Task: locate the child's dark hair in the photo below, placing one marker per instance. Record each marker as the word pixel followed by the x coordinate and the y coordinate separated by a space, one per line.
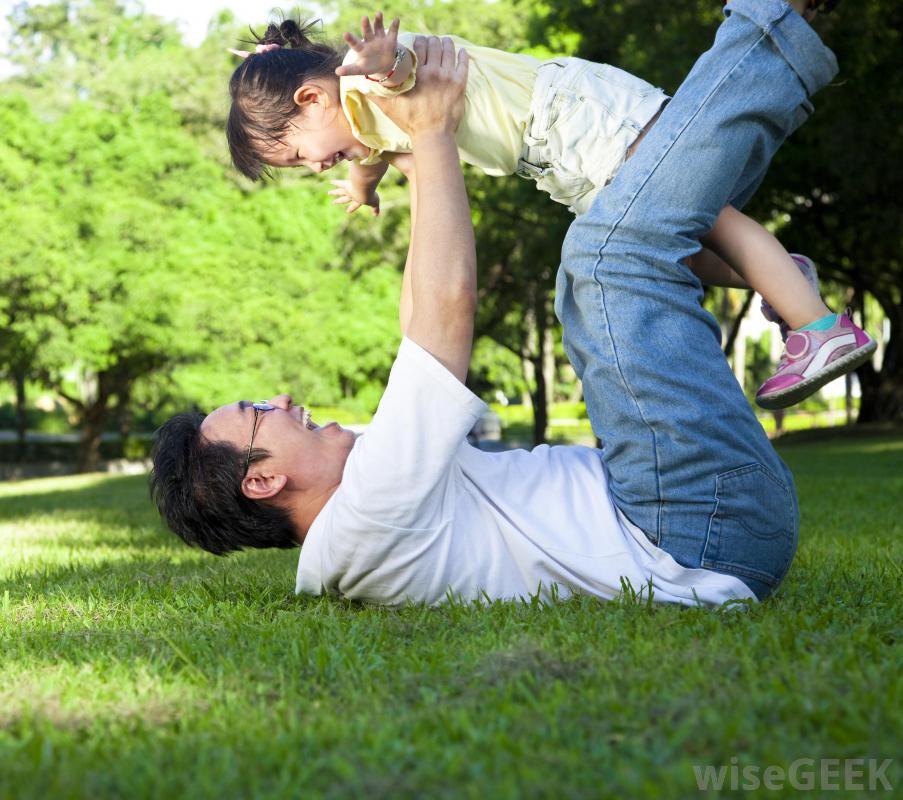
pixel 196 486
pixel 263 89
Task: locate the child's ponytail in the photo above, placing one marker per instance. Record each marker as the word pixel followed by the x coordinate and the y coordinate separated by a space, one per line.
pixel 263 88
pixel 291 33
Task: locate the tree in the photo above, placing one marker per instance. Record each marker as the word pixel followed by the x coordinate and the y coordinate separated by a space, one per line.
pixel 835 187
pixel 32 254
pixel 518 235
pixel 125 185
pixel 141 270
pixel 839 185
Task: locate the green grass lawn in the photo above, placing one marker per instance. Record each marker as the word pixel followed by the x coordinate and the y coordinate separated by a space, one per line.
pixel 135 667
pixel 568 422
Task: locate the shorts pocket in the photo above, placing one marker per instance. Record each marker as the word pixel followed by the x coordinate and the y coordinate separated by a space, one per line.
pixel 564 188
pixel 753 529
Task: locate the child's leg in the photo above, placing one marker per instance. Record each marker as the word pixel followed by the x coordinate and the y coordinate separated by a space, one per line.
pixel 713 270
pixel 761 260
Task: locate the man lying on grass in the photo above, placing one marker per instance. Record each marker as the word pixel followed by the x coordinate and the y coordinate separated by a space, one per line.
pixel 687 498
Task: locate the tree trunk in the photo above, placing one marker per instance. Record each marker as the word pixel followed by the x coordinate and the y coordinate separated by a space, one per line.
pixel 543 357
pixel 528 367
pixel 548 359
pixel 848 397
pixel 539 396
pixel 21 415
pixel 93 423
pixel 882 391
pixel 527 361
pixel 731 337
pixel 124 420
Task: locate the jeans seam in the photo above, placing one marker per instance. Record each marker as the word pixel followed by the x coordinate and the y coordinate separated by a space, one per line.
pixel 614 350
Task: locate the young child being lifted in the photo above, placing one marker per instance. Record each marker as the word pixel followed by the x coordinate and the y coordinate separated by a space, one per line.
pixel 567 123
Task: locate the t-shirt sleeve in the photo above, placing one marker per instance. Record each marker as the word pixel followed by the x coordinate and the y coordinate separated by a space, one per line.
pixel 401 471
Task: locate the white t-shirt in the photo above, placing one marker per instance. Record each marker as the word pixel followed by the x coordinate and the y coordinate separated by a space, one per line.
pixel 421 515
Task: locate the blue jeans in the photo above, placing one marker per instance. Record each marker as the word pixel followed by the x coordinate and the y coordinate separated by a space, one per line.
pixel 688 462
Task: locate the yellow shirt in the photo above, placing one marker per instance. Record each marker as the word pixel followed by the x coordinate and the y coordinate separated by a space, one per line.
pixel 497 108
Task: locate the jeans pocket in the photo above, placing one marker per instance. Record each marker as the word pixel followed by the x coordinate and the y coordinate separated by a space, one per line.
pixel 753 529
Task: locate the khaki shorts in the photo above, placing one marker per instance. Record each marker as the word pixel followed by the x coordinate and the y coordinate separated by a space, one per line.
pixel 584 117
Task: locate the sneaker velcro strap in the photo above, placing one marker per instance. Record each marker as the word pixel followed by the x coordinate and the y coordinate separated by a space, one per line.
pixel 797 345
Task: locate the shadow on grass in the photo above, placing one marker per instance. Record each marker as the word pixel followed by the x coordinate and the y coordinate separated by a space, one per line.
pixel 116 511
pixel 129 491
pixel 844 433
pixel 176 573
pixel 872 463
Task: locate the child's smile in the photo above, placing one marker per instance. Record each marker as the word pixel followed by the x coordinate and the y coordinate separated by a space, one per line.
pixel 318 138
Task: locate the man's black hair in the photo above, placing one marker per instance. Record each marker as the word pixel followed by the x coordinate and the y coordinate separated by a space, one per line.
pixel 196 486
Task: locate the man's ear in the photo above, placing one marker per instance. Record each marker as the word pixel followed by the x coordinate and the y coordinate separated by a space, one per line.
pixel 262 487
pixel 311 94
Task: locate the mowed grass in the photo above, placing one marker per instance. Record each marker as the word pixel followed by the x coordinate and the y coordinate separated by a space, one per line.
pixel 135 667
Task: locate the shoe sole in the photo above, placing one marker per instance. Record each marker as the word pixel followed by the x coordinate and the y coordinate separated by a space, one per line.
pixel 800 391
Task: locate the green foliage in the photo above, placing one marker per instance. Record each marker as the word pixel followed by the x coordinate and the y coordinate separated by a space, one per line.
pixel 136 667
pixel 140 271
pixel 838 184
pixel 659 44
pixel 495 369
pixel 144 276
pixel 497 24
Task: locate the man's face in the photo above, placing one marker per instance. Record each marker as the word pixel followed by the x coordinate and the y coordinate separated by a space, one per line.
pixel 309 455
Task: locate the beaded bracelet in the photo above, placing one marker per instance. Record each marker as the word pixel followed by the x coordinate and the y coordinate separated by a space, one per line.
pixel 400 53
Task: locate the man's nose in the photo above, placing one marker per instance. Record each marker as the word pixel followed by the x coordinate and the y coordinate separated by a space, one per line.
pixel 283 401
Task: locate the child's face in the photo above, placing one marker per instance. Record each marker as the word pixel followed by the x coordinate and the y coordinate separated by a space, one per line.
pixel 319 136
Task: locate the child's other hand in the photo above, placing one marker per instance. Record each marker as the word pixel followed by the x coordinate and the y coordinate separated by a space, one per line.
pixel 345 194
pixel 375 51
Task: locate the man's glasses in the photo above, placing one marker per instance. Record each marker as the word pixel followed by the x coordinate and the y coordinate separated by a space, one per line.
pixel 258 409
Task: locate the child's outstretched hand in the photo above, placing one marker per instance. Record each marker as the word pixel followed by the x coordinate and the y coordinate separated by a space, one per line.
pixel 345 194
pixel 375 51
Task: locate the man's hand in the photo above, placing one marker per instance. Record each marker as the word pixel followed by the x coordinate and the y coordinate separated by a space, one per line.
pixel 346 194
pixel 375 51
pixel 436 103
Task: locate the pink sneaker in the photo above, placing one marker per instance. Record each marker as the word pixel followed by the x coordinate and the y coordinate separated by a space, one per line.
pixel 813 358
pixel 807 267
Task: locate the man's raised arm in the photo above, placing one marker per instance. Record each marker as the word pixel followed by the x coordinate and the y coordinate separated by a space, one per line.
pixel 442 264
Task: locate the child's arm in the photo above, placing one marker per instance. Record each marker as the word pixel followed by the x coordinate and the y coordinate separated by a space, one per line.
pixel 360 188
pixel 378 54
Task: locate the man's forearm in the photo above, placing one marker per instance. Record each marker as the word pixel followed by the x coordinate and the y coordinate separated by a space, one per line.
pixel 443 259
pixel 406 303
